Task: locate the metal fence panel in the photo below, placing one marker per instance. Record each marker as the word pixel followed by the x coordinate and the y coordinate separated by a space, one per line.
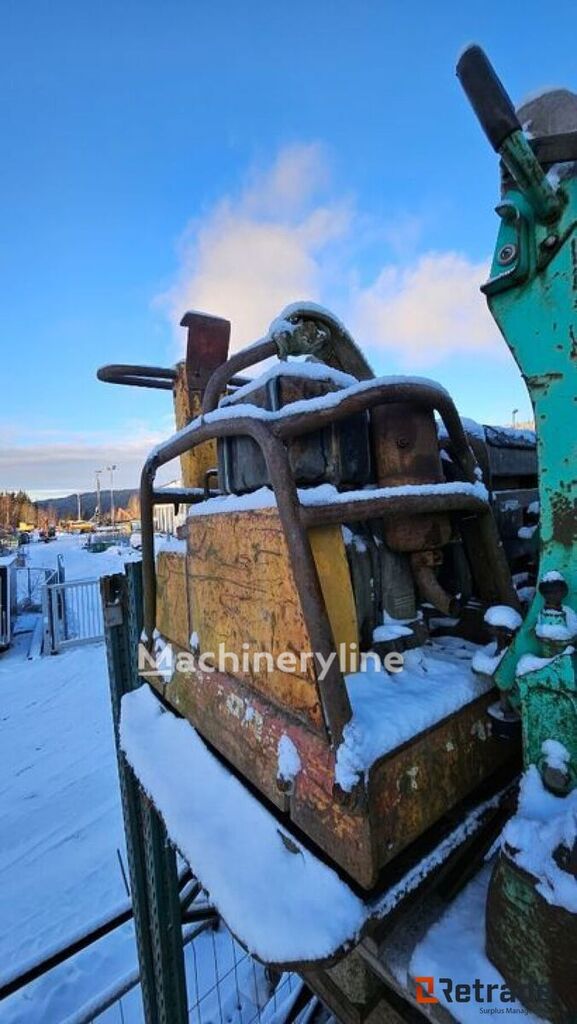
pixel 30 583
pixel 73 614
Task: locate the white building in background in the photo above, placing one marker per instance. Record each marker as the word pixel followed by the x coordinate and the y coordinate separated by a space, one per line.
pixel 166 519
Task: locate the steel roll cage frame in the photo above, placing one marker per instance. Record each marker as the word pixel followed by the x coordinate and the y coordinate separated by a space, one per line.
pixel 270 435
pixel 161 378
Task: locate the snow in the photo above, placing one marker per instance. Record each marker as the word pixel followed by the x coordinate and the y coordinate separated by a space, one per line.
pixel 488 659
pixel 503 617
pixel 388 710
pixel 170 543
pixel 508 436
pixel 512 436
pixel 558 630
pixel 286 904
pixel 534 508
pixel 353 539
pixel 469 426
pixel 289 905
pixel 454 947
pixel 553 576
pixel 61 833
pixel 306 370
pixel 289 762
pixel 329 401
pixel 556 754
pixel 391 629
pixel 532 663
pixel 61 820
pixel 305 307
pixel 542 823
pixel 526 532
pixel 327 494
pixel 80 564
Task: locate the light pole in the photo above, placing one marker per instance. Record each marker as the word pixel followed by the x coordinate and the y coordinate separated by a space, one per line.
pixel 111 471
pixel 98 510
pixel 515 411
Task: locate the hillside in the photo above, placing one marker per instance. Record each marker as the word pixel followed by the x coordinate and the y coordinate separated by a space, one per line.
pixel 67 507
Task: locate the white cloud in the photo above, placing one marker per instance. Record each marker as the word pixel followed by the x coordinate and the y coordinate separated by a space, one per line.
pixel 255 252
pixel 280 239
pixel 427 311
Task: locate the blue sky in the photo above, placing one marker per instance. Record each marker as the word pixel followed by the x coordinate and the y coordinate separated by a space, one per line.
pixel 234 157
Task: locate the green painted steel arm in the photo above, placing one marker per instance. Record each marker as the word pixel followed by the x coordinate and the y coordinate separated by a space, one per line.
pixel 532 295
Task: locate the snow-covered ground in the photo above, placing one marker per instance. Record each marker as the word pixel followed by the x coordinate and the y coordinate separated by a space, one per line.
pixel 79 563
pixel 62 837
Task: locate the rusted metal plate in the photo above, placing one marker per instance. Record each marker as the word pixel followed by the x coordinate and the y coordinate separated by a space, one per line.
pixel 532 943
pixel 195 463
pixel 417 784
pixel 172 597
pixel 243 596
pixel 206 349
pixel 408 791
pixel 244 601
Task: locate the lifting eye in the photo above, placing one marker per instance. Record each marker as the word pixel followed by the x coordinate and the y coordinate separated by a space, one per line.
pixel 507 254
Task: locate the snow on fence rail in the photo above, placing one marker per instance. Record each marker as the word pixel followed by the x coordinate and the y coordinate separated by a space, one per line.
pixel 72 614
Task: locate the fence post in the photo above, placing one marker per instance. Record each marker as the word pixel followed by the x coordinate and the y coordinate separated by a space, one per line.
pixel 47 611
pixel 151 858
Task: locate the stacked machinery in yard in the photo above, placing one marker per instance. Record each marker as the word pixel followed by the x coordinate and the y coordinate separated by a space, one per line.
pixel 329 519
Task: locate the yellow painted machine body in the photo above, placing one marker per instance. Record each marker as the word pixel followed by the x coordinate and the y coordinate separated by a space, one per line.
pixel 308 507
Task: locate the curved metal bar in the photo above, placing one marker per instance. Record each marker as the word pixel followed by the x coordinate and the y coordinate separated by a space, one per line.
pixel 379 392
pixel 333 694
pixel 178 496
pixel 377 506
pixel 224 374
pixel 269 432
pixel 159 377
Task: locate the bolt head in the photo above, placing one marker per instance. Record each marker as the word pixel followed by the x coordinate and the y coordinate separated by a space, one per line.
pixel 507 254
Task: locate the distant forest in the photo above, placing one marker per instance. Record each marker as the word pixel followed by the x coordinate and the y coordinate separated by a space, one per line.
pixel 17 507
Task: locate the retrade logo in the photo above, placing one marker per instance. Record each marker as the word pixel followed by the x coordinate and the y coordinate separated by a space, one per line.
pixel 497 995
pixel 426 990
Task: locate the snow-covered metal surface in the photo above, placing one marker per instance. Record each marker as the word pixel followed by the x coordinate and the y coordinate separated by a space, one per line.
pixel 285 904
pixel 389 709
pixel 327 494
pixel 454 949
pixel 542 823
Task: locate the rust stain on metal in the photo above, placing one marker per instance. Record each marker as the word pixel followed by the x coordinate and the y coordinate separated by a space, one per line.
pixel 532 943
pixel 543 381
pixel 564 519
pixel 243 596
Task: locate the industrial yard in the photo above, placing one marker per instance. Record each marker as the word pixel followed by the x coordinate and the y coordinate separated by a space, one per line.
pixel 288 512
pixel 62 854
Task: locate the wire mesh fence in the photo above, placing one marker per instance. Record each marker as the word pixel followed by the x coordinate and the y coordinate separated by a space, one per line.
pixel 225 985
pixel 30 582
